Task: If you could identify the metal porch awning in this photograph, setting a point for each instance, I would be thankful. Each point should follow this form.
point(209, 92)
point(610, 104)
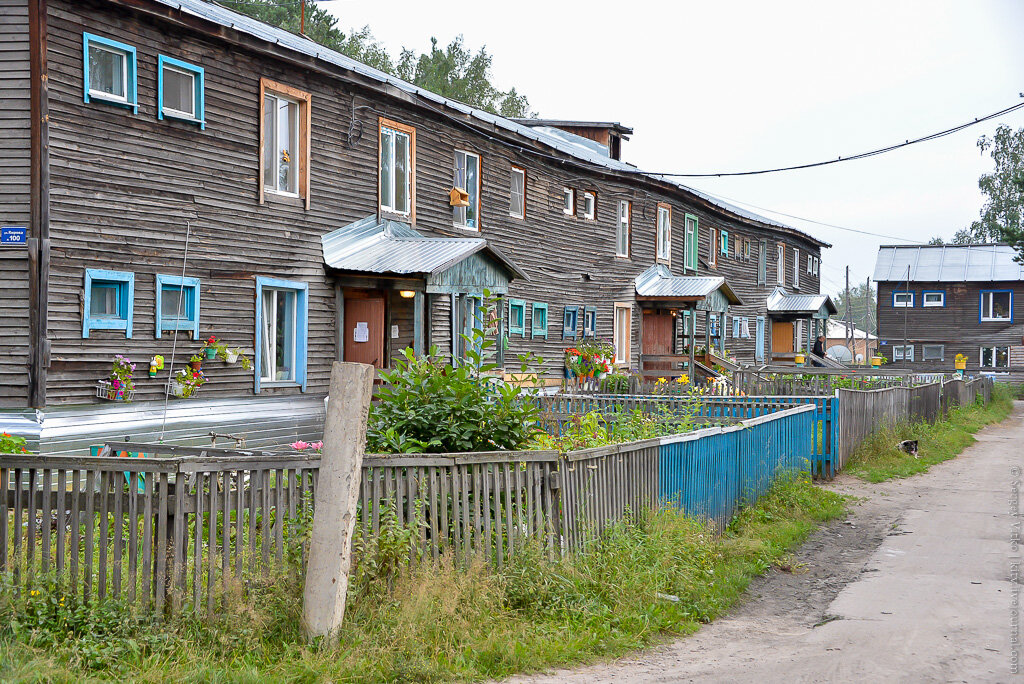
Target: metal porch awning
point(710, 293)
point(785, 306)
point(391, 248)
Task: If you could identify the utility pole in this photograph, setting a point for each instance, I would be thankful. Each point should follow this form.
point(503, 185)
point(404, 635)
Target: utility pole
point(846, 315)
point(302, 19)
point(867, 318)
point(905, 311)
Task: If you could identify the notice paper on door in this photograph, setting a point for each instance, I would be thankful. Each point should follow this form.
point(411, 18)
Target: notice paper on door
point(361, 333)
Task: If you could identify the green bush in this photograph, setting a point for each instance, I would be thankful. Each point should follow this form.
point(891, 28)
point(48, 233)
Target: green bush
point(431, 405)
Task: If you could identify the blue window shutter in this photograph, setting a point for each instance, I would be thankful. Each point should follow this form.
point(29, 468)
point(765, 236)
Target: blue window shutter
point(736, 326)
point(725, 242)
point(570, 321)
point(590, 321)
point(517, 317)
point(539, 324)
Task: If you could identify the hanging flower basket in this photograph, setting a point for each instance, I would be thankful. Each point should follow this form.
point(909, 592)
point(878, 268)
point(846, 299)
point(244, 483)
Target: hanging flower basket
point(231, 356)
point(106, 390)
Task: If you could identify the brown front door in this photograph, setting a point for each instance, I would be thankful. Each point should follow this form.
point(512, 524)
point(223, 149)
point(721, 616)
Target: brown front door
point(364, 331)
point(657, 339)
point(782, 337)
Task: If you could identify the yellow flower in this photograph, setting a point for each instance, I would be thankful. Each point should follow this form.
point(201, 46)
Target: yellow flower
point(660, 381)
point(683, 379)
point(33, 593)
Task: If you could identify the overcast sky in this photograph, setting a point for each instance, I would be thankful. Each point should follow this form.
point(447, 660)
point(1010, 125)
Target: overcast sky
point(728, 86)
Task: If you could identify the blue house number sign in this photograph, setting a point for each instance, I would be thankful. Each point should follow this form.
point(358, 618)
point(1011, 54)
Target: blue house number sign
point(13, 236)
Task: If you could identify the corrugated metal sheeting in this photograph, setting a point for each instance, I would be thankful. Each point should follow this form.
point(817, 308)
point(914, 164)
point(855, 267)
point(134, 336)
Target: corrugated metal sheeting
point(781, 301)
point(265, 422)
point(564, 142)
point(947, 263)
point(658, 281)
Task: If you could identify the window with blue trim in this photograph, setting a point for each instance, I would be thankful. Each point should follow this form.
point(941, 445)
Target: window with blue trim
point(996, 305)
point(177, 304)
point(570, 322)
point(109, 72)
point(282, 313)
point(736, 321)
point(179, 91)
point(540, 320)
point(109, 301)
point(516, 317)
point(590, 321)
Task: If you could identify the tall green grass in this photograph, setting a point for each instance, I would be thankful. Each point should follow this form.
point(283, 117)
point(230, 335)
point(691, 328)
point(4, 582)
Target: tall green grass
point(656, 575)
point(878, 459)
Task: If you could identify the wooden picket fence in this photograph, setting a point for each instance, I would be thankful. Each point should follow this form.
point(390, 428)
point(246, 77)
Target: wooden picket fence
point(183, 527)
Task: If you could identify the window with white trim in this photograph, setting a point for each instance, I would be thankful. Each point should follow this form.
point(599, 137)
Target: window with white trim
point(933, 352)
point(568, 201)
point(996, 305)
point(762, 262)
point(517, 204)
point(110, 72)
point(589, 205)
point(810, 265)
point(664, 233)
point(397, 167)
point(901, 353)
point(623, 332)
point(796, 267)
point(903, 300)
point(780, 265)
point(713, 248)
point(995, 357)
point(622, 229)
point(929, 299)
point(467, 178)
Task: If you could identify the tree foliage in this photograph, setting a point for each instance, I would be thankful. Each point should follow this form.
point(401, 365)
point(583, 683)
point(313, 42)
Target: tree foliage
point(454, 72)
point(862, 306)
point(1002, 215)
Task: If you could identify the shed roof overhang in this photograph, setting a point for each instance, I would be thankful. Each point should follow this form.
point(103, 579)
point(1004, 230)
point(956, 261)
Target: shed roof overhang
point(785, 306)
point(708, 293)
point(393, 249)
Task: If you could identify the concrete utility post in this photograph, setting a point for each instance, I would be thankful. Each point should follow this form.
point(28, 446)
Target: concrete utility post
point(330, 553)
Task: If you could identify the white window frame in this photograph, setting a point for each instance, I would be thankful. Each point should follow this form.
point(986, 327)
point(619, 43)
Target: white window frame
point(568, 201)
point(268, 341)
point(521, 213)
point(987, 301)
point(663, 234)
point(713, 248)
point(899, 352)
point(745, 328)
point(780, 263)
point(271, 144)
point(995, 349)
point(394, 130)
point(177, 112)
point(474, 193)
point(622, 228)
point(817, 265)
point(926, 304)
point(796, 267)
point(810, 265)
point(589, 205)
point(110, 97)
point(623, 351)
point(896, 304)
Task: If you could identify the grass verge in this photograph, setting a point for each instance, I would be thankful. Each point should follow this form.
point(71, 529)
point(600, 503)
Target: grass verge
point(877, 459)
point(437, 623)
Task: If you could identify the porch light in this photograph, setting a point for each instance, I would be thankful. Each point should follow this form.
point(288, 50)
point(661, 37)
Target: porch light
point(407, 294)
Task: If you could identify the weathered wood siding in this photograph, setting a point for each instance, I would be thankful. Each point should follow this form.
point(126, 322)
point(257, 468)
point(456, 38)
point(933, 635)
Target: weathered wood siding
point(956, 325)
point(125, 186)
point(15, 201)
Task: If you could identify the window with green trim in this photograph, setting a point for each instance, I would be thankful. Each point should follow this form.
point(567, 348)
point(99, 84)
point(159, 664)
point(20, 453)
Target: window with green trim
point(725, 243)
point(540, 320)
point(516, 317)
point(691, 229)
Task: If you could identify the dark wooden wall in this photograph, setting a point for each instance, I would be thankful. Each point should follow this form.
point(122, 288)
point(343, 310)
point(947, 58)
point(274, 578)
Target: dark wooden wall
point(124, 187)
point(956, 325)
point(15, 201)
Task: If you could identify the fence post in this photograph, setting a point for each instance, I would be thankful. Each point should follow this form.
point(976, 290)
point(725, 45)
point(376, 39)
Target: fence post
point(334, 517)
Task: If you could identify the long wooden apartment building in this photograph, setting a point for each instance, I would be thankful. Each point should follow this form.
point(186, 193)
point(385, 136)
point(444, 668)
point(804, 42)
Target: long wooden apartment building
point(175, 170)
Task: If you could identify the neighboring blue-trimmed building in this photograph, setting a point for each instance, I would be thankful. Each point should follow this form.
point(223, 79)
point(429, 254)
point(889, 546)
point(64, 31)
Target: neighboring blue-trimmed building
point(937, 301)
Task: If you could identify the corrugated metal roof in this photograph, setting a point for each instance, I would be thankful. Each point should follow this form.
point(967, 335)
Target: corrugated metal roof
point(658, 281)
point(838, 329)
point(947, 263)
point(372, 246)
point(780, 301)
point(225, 17)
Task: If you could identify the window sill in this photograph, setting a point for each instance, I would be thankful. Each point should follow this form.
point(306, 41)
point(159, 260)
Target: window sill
point(284, 198)
point(100, 98)
point(387, 214)
point(623, 257)
point(278, 383)
point(997, 320)
point(517, 216)
point(184, 118)
point(462, 228)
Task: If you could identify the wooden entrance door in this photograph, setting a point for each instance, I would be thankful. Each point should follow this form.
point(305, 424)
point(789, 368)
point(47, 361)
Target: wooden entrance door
point(364, 330)
point(659, 329)
point(782, 337)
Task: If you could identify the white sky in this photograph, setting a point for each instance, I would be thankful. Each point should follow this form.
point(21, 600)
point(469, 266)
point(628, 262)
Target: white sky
point(722, 86)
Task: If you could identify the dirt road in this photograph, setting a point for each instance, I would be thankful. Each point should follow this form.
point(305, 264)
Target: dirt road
point(916, 585)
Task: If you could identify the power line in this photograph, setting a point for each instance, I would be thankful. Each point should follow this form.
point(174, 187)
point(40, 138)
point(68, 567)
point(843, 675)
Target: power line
point(862, 155)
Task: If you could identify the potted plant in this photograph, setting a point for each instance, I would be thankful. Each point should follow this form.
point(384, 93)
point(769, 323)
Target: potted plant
point(235, 355)
point(960, 362)
point(800, 358)
point(196, 362)
point(186, 382)
point(119, 386)
point(213, 348)
point(877, 360)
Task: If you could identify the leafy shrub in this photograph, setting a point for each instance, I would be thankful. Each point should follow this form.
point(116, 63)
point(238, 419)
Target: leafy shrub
point(431, 405)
